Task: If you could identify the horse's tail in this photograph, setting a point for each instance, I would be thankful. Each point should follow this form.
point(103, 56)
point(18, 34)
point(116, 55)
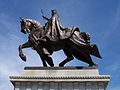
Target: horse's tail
point(94, 51)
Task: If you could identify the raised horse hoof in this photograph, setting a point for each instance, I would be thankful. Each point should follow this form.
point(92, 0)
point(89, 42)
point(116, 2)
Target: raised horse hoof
point(23, 57)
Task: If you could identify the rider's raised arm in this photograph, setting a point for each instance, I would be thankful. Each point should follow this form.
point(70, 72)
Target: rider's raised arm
point(45, 18)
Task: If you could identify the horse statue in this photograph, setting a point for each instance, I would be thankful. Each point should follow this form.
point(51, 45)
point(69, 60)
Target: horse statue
point(76, 45)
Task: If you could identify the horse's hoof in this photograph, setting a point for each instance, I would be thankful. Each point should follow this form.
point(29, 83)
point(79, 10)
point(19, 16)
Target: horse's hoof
point(52, 65)
point(61, 65)
point(23, 57)
point(45, 66)
point(93, 65)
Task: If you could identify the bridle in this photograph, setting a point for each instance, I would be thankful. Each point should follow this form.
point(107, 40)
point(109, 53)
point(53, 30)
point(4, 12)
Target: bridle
point(25, 28)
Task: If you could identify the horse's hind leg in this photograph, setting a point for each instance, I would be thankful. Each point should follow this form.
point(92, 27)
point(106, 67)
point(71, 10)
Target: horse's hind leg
point(83, 57)
point(69, 57)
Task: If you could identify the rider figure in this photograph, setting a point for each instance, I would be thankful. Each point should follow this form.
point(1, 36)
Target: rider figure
point(53, 29)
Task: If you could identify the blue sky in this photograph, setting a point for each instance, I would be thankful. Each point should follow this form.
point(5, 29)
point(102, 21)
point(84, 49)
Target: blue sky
point(101, 18)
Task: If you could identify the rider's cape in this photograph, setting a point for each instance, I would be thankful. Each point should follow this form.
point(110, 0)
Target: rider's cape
point(79, 43)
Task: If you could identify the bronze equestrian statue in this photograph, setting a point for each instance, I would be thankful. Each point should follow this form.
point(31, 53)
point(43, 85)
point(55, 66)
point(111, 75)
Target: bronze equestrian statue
point(53, 37)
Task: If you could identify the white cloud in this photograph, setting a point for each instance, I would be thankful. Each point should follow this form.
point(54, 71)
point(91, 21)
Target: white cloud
point(8, 48)
point(5, 70)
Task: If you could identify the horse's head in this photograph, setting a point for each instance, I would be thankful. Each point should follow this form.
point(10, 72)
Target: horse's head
point(27, 25)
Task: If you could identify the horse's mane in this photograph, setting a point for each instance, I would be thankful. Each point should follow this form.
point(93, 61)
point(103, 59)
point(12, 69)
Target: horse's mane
point(35, 22)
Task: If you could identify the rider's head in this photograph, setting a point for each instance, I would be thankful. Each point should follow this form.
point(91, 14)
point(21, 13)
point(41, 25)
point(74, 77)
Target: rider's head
point(54, 11)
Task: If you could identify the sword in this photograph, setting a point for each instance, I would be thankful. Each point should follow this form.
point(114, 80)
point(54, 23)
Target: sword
point(43, 15)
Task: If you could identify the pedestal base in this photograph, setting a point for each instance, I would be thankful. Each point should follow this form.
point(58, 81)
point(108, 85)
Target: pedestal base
point(60, 78)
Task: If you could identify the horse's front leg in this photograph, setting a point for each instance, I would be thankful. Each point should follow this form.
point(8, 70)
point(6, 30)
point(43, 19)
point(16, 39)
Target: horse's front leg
point(21, 54)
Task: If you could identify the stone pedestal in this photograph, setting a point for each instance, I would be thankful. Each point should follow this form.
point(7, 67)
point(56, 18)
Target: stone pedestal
point(60, 78)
